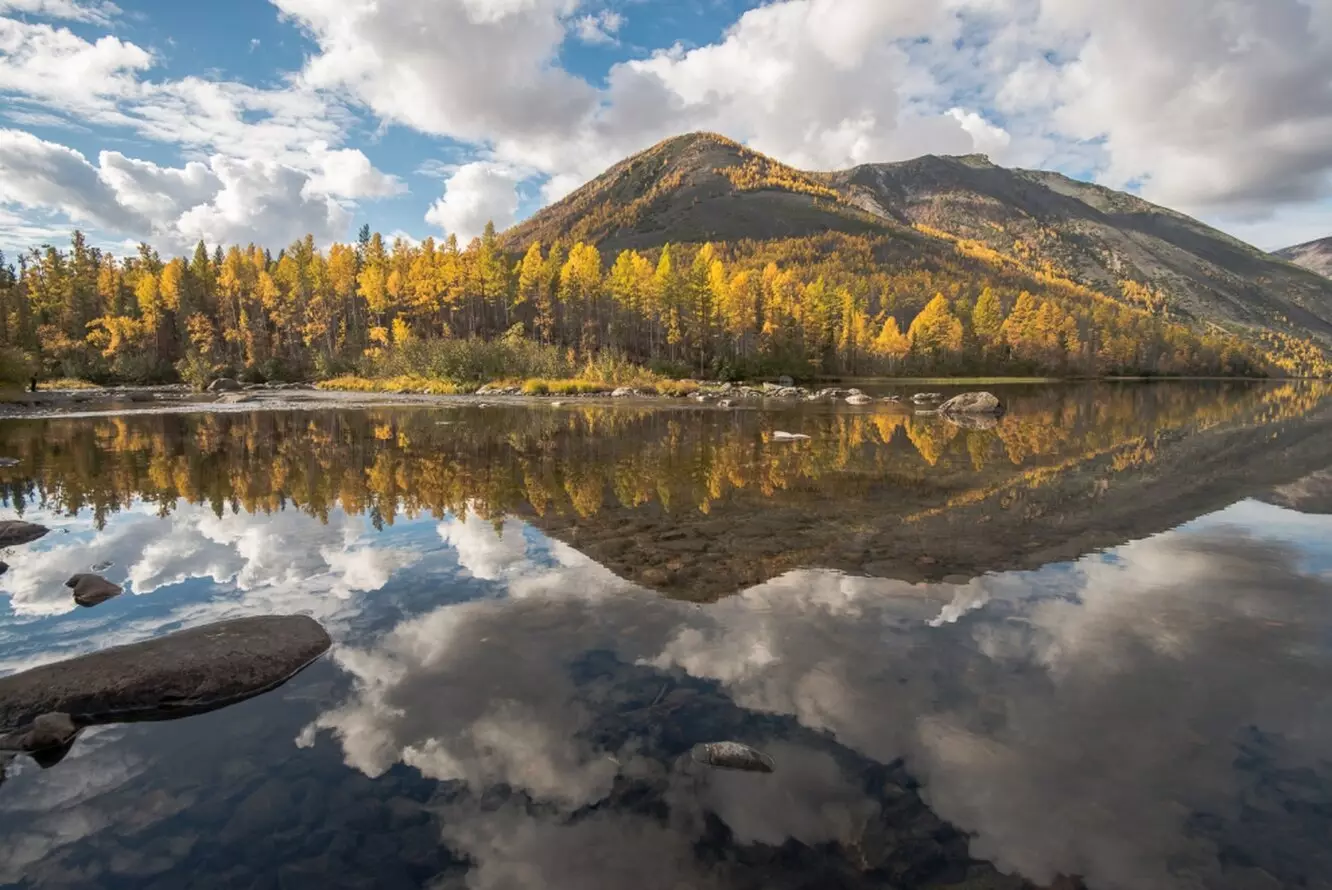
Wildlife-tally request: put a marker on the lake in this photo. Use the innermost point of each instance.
(1087, 646)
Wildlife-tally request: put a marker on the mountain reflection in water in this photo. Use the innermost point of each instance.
(1119, 685)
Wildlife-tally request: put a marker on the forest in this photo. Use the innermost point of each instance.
(834, 304)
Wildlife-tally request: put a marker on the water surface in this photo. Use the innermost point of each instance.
(1085, 646)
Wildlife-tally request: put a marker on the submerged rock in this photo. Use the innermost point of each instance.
(15, 531)
(732, 755)
(46, 733)
(858, 400)
(235, 398)
(927, 397)
(973, 403)
(224, 384)
(187, 672)
(92, 590)
(6, 462)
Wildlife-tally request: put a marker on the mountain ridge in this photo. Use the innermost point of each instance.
(705, 187)
(1316, 255)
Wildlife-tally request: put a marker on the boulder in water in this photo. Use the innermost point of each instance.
(92, 590)
(46, 732)
(732, 755)
(16, 531)
(920, 397)
(973, 403)
(858, 400)
(183, 673)
(224, 384)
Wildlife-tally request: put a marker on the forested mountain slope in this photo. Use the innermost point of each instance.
(703, 187)
(698, 257)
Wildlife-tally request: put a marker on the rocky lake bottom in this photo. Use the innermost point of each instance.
(1084, 644)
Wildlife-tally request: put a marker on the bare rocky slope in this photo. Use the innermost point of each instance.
(1315, 256)
(702, 187)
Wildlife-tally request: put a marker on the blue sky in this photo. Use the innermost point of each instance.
(259, 120)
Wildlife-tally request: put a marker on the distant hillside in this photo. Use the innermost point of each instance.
(1314, 255)
(703, 187)
(1108, 240)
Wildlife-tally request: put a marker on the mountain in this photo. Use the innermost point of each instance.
(704, 187)
(692, 189)
(1314, 255)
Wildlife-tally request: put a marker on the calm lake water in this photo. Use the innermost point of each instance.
(1089, 646)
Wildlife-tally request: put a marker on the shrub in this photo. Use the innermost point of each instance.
(15, 366)
(196, 370)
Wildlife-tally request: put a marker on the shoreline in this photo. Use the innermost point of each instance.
(178, 398)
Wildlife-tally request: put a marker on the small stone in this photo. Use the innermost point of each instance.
(858, 400)
(92, 590)
(927, 397)
(557, 404)
(732, 755)
(15, 531)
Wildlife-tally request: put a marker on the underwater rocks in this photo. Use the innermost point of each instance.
(732, 755)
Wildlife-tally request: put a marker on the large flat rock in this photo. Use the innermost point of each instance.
(183, 673)
(15, 531)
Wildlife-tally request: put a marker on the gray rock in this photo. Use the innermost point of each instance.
(224, 384)
(46, 732)
(732, 755)
(785, 381)
(789, 392)
(892, 398)
(781, 436)
(15, 531)
(927, 397)
(4, 567)
(854, 392)
(6, 462)
(183, 673)
(91, 590)
(624, 392)
(859, 400)
(725, 403)
(973, 403)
